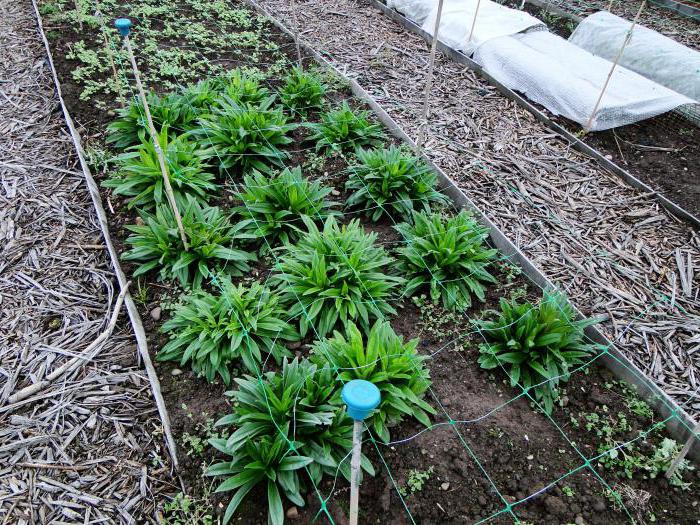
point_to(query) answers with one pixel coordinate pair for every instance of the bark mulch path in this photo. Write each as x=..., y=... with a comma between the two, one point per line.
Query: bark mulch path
x=88, y=447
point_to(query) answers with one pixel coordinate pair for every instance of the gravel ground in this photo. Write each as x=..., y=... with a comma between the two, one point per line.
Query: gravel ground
x=87, y=447
x=616, y=252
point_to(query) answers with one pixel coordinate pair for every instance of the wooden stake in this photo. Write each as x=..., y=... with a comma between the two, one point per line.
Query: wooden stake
x=684, y=451
x=429, y=80
x=355, y=471
x=471, y=33
x=156, y=144
x=295, y=31
x=587, y=127
x=110, y=55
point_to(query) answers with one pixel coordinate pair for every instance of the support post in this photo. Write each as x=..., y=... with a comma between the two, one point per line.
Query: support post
x=587, y=127
x=124, y=27
x=429, y=80
x=684, y=452
x=361, y=397
x=110, y=55
x=295, y=32
x=476, y=13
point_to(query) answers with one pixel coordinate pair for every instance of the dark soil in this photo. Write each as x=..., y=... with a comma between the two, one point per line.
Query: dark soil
x=496, y=453
x=664, y=152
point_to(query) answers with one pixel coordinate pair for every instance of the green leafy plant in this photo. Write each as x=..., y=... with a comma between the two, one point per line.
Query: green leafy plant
x=131, y=128
x=203, y=95
x=141, y=179
x=302, y=91
x=184, y=510
x=213, y=331
x=241, y=136
x=660, y=462
x=304, y=396
x=537, y=344
x=242, y=88
x=336, y=275
x=391, y=182
x=156, y=244
x=446, y=255
x=345, y=130
x=267, y=459
x=277, y=205
x=617, y=453
x=394, y=366
x=296, y=411
x=416, y=480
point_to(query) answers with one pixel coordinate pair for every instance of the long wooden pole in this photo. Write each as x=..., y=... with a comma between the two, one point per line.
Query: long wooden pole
x=429, y=80
x=476, y=13
x=110, y=55
x=684, y=451
x=587, y=127
x=156, y=144
x=295, y=32
x=355, y=471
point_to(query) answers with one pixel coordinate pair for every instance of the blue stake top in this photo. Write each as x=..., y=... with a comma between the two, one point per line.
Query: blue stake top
x=123, y=25
x=361, y=397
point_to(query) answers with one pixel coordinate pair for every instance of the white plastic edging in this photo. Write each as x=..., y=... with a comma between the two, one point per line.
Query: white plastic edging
x=679, y=427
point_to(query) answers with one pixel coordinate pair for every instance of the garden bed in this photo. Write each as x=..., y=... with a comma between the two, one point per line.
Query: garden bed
x=457, y=471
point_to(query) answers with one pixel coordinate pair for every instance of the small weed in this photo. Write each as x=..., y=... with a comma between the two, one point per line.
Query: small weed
x=495, y=432
x=628, y=459
x=416, y=481
x=437, y=322
x=510, y=271
x=636, y=405
x=141, y=293
x=184, y=510
x=195, y=444
x=568, y=491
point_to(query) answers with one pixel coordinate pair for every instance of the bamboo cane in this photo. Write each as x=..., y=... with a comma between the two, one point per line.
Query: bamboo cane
x=684, y=451
x=587, y=127
x=476, y=12
x=123, y=27
x=429, y=80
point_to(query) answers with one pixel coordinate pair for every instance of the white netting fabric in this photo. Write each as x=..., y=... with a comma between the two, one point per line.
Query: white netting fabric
x=415, y=10
x=649, y=53
x=567, y=80
x=492, y=21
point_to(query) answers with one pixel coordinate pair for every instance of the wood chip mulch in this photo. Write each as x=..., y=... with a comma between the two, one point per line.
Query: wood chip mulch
x=86, y=447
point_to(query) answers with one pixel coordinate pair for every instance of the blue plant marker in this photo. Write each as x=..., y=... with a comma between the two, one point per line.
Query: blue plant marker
x=123, y=25
x=361, y=397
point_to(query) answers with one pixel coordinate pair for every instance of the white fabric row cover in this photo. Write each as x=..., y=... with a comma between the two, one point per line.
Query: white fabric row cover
x=567, y=80
x=492, y=20
x=649, y=53
x=415, y=10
